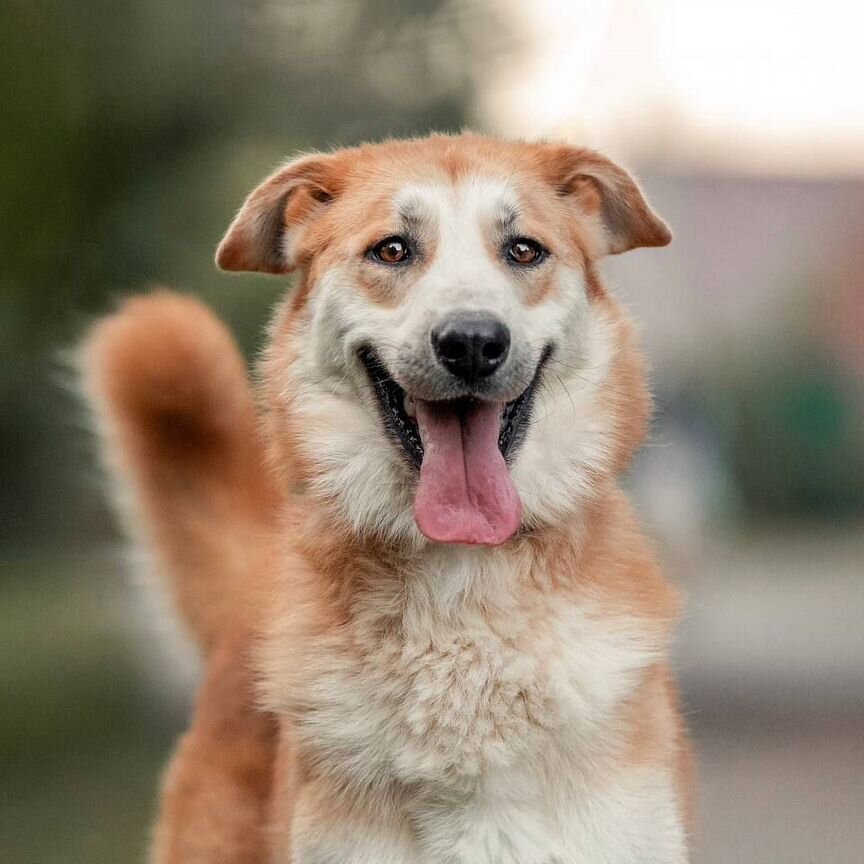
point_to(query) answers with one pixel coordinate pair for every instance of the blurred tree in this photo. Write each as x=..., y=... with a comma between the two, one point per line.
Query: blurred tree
x=796, y=443
x=131, y=133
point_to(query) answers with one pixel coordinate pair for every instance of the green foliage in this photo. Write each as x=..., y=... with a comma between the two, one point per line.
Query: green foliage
x=796, y=441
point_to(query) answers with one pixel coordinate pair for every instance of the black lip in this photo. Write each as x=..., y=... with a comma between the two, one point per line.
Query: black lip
x=404, y=429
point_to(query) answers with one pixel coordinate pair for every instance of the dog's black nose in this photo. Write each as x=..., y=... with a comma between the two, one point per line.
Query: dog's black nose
x=471, y=345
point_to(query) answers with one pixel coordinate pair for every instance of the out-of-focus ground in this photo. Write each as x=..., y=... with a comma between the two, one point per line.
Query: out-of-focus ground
x=781, y=791
x=83, y=735
x=771, y=658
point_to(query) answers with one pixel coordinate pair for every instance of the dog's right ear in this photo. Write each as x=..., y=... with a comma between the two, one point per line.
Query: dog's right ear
x=265, y=234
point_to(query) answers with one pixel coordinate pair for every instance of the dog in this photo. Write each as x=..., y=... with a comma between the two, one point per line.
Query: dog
x=433, y=629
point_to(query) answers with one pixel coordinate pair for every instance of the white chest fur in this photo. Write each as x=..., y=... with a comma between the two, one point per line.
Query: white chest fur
x=490, y=715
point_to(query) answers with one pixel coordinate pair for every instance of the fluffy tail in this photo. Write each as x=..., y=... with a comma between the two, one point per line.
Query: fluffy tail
x=180, y=436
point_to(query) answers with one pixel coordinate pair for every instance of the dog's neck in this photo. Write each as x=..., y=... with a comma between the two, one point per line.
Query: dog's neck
x=441, y=581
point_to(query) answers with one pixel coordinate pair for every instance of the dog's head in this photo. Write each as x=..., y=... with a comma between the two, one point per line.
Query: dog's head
x=450, y=360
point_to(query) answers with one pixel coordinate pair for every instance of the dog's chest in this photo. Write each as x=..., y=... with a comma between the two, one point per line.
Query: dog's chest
x=442, y=700
x=492, y=735
x=462, y=699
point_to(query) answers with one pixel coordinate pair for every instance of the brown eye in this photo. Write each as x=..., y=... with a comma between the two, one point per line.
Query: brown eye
x=523, y=251
x=393, y=250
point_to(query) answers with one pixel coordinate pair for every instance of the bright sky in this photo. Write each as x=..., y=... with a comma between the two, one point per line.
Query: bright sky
x=762, y=85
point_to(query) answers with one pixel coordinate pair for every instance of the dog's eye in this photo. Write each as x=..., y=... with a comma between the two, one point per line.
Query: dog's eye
x=523, y=251
x=392, y=250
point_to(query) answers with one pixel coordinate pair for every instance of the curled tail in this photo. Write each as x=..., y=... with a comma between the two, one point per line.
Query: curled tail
x=181, y=440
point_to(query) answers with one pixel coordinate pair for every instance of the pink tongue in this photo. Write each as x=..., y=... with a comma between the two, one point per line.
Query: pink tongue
x=465, y=494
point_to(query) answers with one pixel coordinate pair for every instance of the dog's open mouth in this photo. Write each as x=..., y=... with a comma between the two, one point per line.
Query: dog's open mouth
x=462, y=447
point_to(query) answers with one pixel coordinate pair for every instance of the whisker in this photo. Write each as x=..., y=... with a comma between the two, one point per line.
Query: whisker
x=569, y=396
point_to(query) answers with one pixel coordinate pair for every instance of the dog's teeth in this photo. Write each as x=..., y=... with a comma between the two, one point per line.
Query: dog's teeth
x=410, y=407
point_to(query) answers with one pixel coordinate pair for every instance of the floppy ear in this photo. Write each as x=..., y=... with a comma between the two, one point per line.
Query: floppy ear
x=610, y=197
x=265, y=233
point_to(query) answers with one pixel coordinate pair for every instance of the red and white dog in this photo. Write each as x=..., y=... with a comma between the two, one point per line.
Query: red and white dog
x=434, y=630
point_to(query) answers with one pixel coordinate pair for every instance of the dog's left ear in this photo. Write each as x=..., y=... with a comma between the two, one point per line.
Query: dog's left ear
x=608, y=196
x=264, y=235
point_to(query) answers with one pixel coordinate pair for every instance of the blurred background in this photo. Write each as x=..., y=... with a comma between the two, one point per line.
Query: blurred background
x=132, y=130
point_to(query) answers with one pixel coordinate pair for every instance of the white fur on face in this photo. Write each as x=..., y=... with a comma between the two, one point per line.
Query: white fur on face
x=358, y=466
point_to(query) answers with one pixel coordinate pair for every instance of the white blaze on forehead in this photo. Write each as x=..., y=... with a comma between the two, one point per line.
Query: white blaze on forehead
x=454, y=224
x=459, y=214
x=473, y=195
